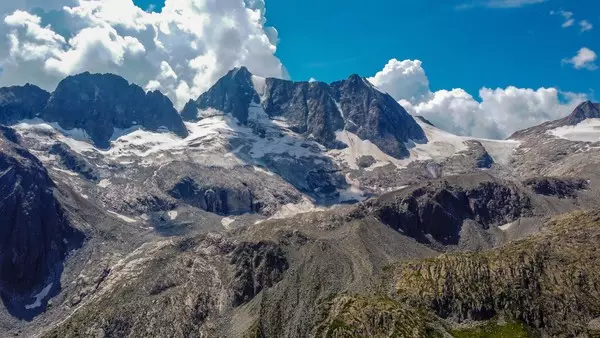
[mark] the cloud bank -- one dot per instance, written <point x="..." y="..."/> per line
<point x="181" y="51"/>
<point x="496" y="113"/>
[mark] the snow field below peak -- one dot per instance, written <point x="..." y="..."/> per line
<point x="586" y="131"/>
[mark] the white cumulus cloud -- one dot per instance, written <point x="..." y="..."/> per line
<point x="512" y="3"/>
<point x="403" y="79"/>
<point x="496" y="113"/>
<point x="567" y="16"/>
<point x="584" y="59"/>
<point x="181" y="51"/>
<point x="585" y="26"/>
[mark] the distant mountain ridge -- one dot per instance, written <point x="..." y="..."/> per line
<point x="585" y="110"/>
<point x="315" y="109"/>
<point x="95" y="103"/>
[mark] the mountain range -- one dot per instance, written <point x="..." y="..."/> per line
<point x="272" y="208"/>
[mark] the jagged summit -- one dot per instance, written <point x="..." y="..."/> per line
<point x="99" y="103"/>
<point x="232" y="94"/>
<point x="21" y="102"/>
<point x="586" y="110"/>
<point x="314" y="109"/>
<point x="95" y="103"/>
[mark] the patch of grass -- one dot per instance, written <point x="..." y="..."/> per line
<point x="493" y="329"/>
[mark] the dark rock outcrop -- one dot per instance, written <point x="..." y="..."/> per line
<point x="559" y="187"/>
<point x="21" y="102"/>
<point x="220" y="200"/>
<point x="257" y="266"/>
<point x="439" y="208"/>
<point x="227" y="191"/>
<point x="99" y="103"/>
<point x="479" y="154"/>
<point x="35" y="233"/>
<point x="73" y="161"/>
<point x="10" y="134"/>
<point x="365" y="161"/>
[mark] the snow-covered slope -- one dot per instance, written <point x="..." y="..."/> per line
<point x="585" y="131"/>
<point x="440" y="146"/>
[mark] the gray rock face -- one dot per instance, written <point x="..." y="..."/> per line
<point x="73" y="161"/>
<point x="35" y="234"/>
<point x="232" y="94"/>
<point x="21" y="102"/>
<point x="226" y="191"/>
<point x="543" y="154"/>
<point x="98" y="103"/>
<point x="586" y="110"/>
<point x="559" y="187"/>
<point x="376" y="116"/>
<point x="316" y="110"/>
<point x="309" y="109"/>
<point x="438" y="209"/>
<point x="223" y="200"/>
<point x="257" y="266"/>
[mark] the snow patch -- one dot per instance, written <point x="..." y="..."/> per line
<point x="257" y="114"/>
<point x="39" y="297"/>
<point x="443" y="144"/>
<point x="506" y="226"/>
<point x="227" y="221"/>
<point x="353" y="193"/>
<point x="500" y="150"/>
<point x="440" y="146"/>
<point x="339" y="108"/>
<point x="262" y="170"/>
<point x="122" y="217"/>
<point x="290" y="209"/>
<point x="358" y="148"/>
<point x="260" y="84"/>
<point x="70" y="173"/>
<point x="585" y="131"/>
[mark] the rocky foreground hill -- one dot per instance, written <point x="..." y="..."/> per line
<point x="270" y="208"/>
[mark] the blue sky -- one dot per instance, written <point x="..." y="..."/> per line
<point x="462" y="44"/>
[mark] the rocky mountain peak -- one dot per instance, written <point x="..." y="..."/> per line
<point x="316" y="110"/>
<point x="586" y="110"/>
<point x="99" y="103"/>
<point x="21" y="102"/>
<point x="240" y="72"/>
<point x="232" y="94"/>
<point x="376" y="116"/>
<point x="355" y="78"/>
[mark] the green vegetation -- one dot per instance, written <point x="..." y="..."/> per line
<point x="357" y="316"/>
<point x="525" y="280"/>
<point x="494" y="329"/>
